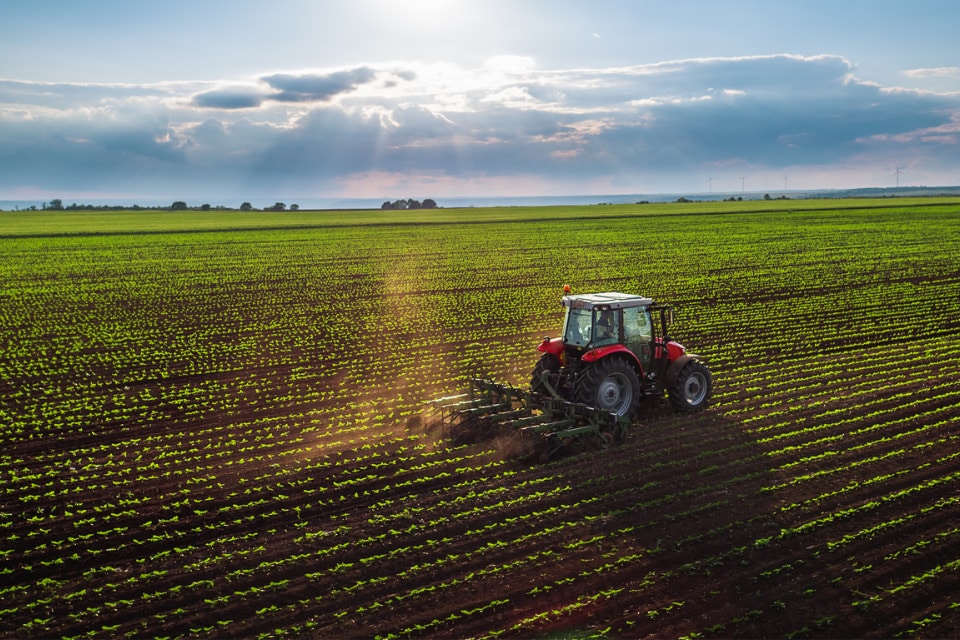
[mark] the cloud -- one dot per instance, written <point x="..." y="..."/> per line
<point x="317" y="87"/>
<point x="640" y="128"/>
<point x="229" y="99"/>
<point x="936" y="72"/>
<point x="73" y="96"/>
<point x="287" y="87"/>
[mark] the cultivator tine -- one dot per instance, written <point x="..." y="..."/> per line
<point x="528" y="424"/>
<point x="483" y="410"/>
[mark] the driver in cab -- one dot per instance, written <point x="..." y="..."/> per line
<point x="606" y="328"/>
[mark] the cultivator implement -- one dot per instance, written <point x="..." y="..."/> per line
<point x="528" y="424"/>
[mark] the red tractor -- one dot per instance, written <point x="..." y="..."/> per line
<point x="610" y="357"/>
<point x="589" y="382"/>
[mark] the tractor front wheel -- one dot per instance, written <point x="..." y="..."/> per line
<point x="692" y="388"/>
<point x="611" y="384"/>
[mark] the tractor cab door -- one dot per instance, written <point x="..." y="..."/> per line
<point x="606" y="327"/>
<point x="638" y="334"/>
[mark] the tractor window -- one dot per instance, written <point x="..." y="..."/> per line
<point x="638" y="327"/>
<point x="607" y="328"/>
<point x="577" y="332"/>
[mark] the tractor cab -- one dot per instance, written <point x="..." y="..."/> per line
<point x="604" y="319"/>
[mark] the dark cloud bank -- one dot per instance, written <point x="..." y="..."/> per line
<point x="632" y="127"/>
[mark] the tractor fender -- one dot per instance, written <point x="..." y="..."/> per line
<point x="676" y="366"/>
<point x="602" y="352"/>
<point x="554" y="346"/>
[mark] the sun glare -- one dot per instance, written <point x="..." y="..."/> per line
<point x="422" y="15"/>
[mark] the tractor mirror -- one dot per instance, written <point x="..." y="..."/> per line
<point x="667" y="316"/>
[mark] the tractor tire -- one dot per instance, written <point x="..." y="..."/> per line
<point x="611" y="384"/>
<point x="692" y="389"/>
<point x="548" y="363"/>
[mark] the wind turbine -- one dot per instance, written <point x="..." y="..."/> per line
<point x="897" y="173"/>
<point x="710" y="180"/>
<point x="743" y="180"/>
<point x="784" y="183"/>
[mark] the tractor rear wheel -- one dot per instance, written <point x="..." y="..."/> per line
<point x="611" y="384"/>
<point x="692" y="388"/>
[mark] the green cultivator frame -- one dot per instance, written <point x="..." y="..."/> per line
<point x="529" y="424"/>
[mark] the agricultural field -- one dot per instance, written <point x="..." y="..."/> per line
<point x="213" y="425"/>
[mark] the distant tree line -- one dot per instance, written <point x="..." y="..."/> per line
<point x="179" y="205"/>
<point x="246" y="206"/>
<point x="400" y="205"/>
<point x="56" y="204"/>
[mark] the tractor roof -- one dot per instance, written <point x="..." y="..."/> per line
<point x="611" y="300"/>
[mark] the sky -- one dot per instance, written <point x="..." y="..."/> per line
<point x="222" y="101"/>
